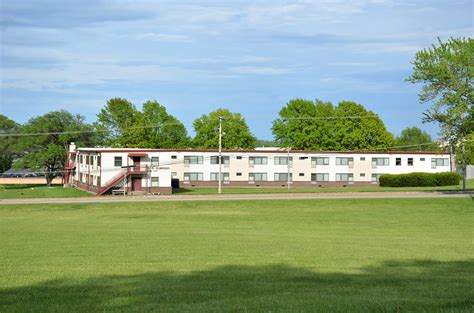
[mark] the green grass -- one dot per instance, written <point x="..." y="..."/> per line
<point x="375" y="188"/>
<point x="39" y="191"/>
<point x="357" y="255"/>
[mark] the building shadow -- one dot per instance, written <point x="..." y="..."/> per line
<point x="393" y="286"/>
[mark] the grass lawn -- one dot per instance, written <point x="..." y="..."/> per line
<point x="39" y="191"/>
<point x="375" y="188"/>
<point x="334" y="255"/>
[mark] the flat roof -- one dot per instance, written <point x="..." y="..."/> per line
<point x="135" y="150"/>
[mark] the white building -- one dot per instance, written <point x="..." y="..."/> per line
<point x="101" y="170"/>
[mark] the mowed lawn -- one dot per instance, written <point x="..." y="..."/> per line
<point x="356" y="255"/>
<point x="13" y="191"/>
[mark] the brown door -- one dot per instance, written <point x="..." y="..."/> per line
<point x="136" y="183"/>
<point x="136" y="163"/>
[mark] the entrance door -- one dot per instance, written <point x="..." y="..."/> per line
<point x="136" y="163"/>
<point x="136" y="183"/>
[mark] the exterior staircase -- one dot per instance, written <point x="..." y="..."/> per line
<point x="120" y="179"/>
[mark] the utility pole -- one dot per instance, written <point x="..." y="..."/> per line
<point x="220" y="155"/>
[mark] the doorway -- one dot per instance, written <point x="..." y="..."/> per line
<point x="136" y="184"/>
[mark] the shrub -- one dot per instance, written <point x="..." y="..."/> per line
<point x="417" y="179"/>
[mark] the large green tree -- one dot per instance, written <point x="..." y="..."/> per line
<point x="318" y="125"/>
<point x="7" y="143"/>
<point x="153" y="127"/>
<point x="303" y="124"/>
<point x="446" y="71"/>
<point x="415" y="139"/>
<point x="236" y="132"/>
<point x="46" y="139"/>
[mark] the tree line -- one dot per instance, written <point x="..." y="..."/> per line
<point x="445" y="70"/>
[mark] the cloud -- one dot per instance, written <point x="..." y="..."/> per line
<point x="165" y="37"/>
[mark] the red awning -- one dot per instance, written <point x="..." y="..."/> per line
<point x="137" y="154"/>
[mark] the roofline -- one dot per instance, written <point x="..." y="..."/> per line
<point x="122" y="150"/>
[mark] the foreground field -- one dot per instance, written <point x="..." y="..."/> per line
<point x="281" y="256"/>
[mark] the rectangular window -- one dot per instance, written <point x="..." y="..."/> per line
<point x="92" y="160"/>
<point x="439" y="162"/>
<point x="344" y="161"/>
<point x="344" y="177"/>
<point x="283" y="160"/>
<point x="283" y="177"/>
<point x="238" y="174"/>
<point x="192" y="159"/>
<point x="319" y="177"/>
<point x="174" y="157"/>
<point x="301" y="174"/>
<point x="398" y="161"/>
<point x="362" y="175"/>
<point x="224" y="176"/>
<point x="319" y="161"/>
<point x="257" y="176"/>
<point x="80" y="159"/>
<point x="155" y="161"/>
<point x="380" y="161"/>
<point x="303" y="158"/>
<point x="155" y="181"/>
<point x="215" y="160"/>
<point x="192" y="176"/>
<point x="99" y="160"/>
<point x="257" y="160"/>
<point x="173" y="174"/>
<point x="422" y="159"/>
<point x="362" y="158"/>
<point x="410" y="162"/>
<point x="87" y="159"/>
<point x="118" y="161"/>
<point x="375" y="177"/>
<point x="239" y="157"/>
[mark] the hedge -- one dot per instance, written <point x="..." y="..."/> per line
<point x="417" y="179"/>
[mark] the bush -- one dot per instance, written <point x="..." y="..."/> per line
<point x="420" y="179"/>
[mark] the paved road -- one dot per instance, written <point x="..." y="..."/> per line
<point x="227" y="197"/>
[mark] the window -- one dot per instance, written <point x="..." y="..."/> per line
<point x="283" y="177"/>
<point x="301" y="174"/>
<point x="344" y="161"/>
<point x="155" y="161"/>
<point x="344" y="177"/>
<point x="283" y="160"/>
<point x="155" y="181"/>
<point x="439" y="162"/>
<point x="99" y="160"/>
<point x="224" y="176"/>
<point x="192" y="160"/>
<point x="376" y="177"/>
<point x="303" y="158"/>
<point x="193" y="176"/>
<point x="362" y="158"/>
<point x="118" y="161"/>
<point x="257" y="160"/>
<point x="80" y="159"/>
<point x="239" y="157"/>
<point x="410" y="161"/>
<point x="87" y="159"/>
<point x="317" y="177"/>
<point x="319" y="161"/>
<point x="398" y="161"/>
<point x="174" y="157"/>
<point x="422" y="159"/>
<point x="173" y="174"/>
<point x="380" y="161"/>
<point x="238" y="174"/>
<point x="92" y="160"/>
<point x="362" y="175"/>
<point x="215" y="160"/>
<point x="257" y="176"/>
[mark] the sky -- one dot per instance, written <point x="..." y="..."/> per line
<point x="251" y="57"/>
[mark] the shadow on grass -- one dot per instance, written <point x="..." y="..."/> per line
<point x="394" y="286"/>
<point x="27" y="186"/>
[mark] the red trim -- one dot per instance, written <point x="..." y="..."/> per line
<point x="138" y="154"/>
<point x="138" y="151"/>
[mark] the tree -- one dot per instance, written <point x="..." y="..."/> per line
<point x="265" y="143"/>
<point x="318" y="125"/>
<point x="7" y="144"/>
<point x="153" y="127"/>
<point x="447" y="74"/>
<point x="236" y="132"/>
<point x="303" y="125"/>
<point x="45" y="143"/>
<point x="415" y="139"/>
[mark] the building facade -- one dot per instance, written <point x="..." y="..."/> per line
<point x="102" y="170"/>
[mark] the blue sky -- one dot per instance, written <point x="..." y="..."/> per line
<point x="196" y="56"/>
